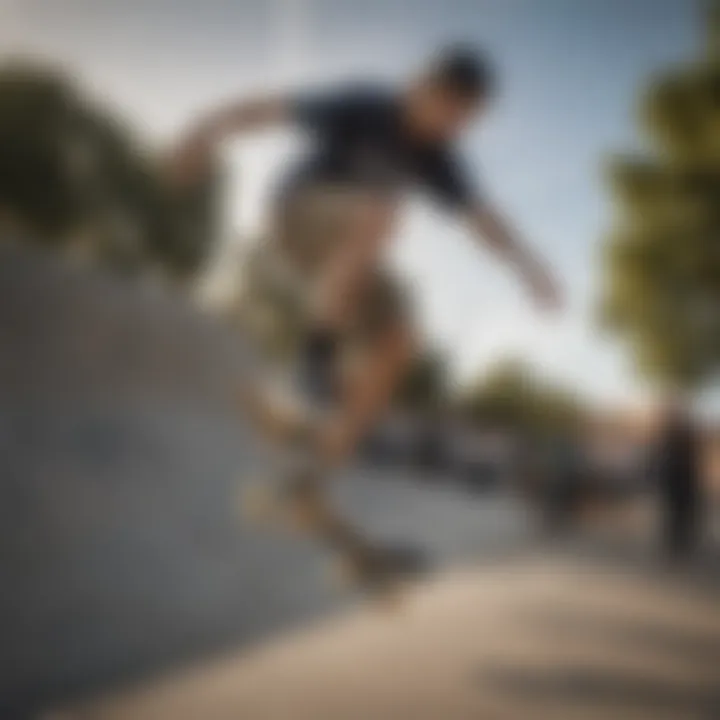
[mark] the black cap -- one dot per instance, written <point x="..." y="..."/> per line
<point x="464" y="70"/>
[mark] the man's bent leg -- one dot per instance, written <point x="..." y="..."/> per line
<point x="353" y="262"/>
<point x="367" y="393"/>
<point x="348" y="269"/>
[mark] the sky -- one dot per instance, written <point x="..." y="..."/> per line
<point x="570" y="73"/>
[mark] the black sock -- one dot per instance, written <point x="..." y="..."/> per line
<point x="319" y="360"/>
<point x="321" y="345"/>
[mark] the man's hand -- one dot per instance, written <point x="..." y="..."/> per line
<point x="193" y="156"/>
<point x="544" y="289"/>
<point x="494" y="231"/>
<point x="189" y="161"/>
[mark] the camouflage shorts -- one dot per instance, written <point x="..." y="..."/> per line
<point x="283" y="269"/>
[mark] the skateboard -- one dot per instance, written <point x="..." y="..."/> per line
<point x="294" y="495"/>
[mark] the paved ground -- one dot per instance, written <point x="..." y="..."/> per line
<point x="122" y="556"/>
<point x="534" y="638"/>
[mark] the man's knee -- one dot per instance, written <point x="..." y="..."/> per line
<point x="385" y="318"/>
<point x="372" y="226"/>
<point x="401" y="340"/>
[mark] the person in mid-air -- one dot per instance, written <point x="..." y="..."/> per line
<point x="335" y="213"/>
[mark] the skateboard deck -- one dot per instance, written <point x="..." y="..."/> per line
<point x="294" y="495"/>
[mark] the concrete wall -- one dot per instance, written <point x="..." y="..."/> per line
<point x="121" y="458"/>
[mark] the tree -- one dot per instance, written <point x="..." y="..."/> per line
<point x="661" y="290"/>
<point x="34" y="122"/>
<point x="71" y="174"/>
<point x="424" y="387"/>
<point x="511" y="395"/>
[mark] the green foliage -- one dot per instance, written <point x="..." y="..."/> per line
<point x="713" y="28"/>
<point x="661" y="275"/>
<point x="34" y="122"/>
<point x="511" y="395"/>
<point x="72" y="173"/>
<point x="424" y="386"/>
<point x="682" y="111"/>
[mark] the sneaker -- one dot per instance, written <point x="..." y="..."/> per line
<point x="379" y="568"/>
<point x="294" y="498"/>
<point x="316" y="377"/>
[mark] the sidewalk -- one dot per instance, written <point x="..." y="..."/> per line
<point x="539" y="638"/>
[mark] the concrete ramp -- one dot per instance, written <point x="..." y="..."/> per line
<point x="122" y="552"/>
<point x="120" y="461"/>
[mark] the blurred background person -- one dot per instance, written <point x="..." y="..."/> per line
<point x="677" y="468"/>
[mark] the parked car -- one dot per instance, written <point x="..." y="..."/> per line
<point x="570" y="478"/>
<point x="480" y="461"/>
<point x="391" y="443"/>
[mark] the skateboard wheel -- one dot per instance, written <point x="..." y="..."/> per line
<point x="301" y="519"/>
<point x="344" y="574"/>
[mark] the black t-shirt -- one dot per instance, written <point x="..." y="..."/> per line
<point x="358" y="139"/>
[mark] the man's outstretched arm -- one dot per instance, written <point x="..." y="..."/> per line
<point x="495" y="233"/>
<point x="192" y="155"/>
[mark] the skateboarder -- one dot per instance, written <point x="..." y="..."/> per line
<point x="334" y="215"/>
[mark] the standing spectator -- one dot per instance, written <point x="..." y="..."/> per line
<point x="679" y="482"/>
<point x="563" y="480"/>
